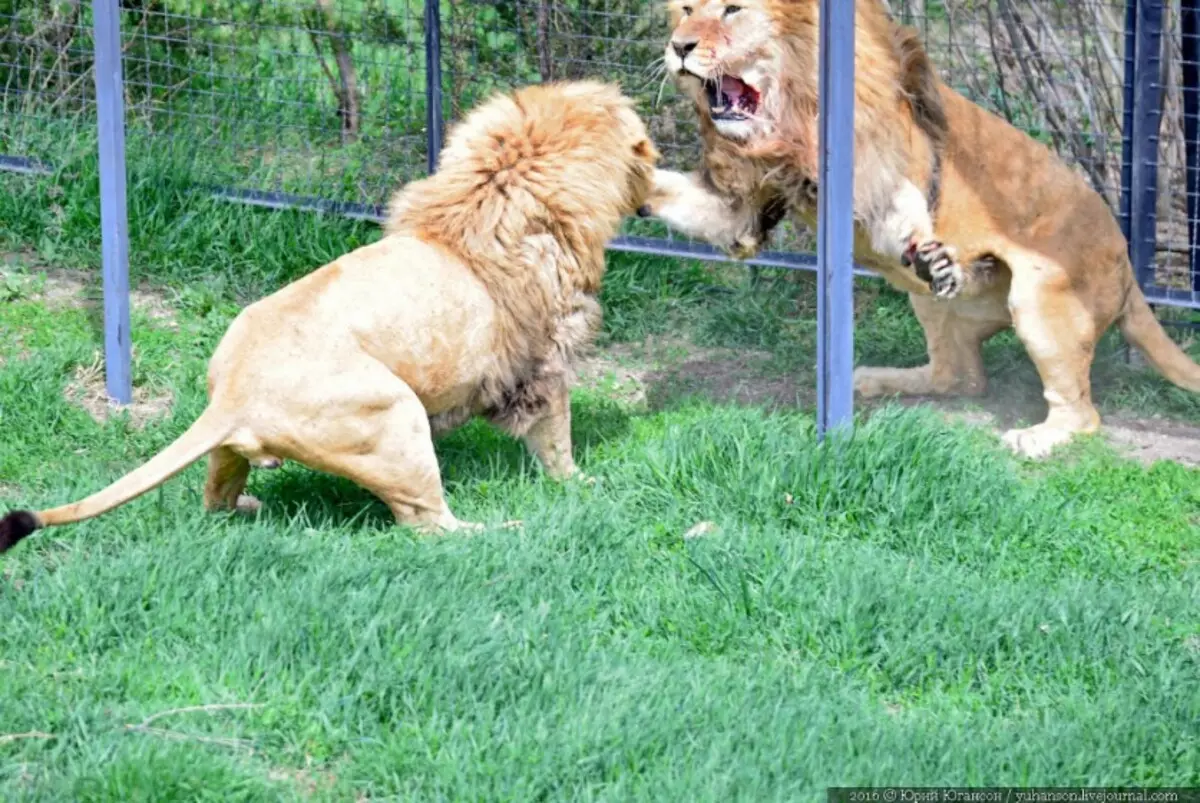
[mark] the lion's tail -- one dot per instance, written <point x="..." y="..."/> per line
<point x="206" y="434"/>
<point x="1141" y="328"/>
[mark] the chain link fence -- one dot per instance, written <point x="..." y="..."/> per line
<point x="333" y="104"/>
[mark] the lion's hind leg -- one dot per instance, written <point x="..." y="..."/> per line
<point x="955" y="364"/>
<point x="1059" y="333"/>
<point x="228" y="472"/>
<point x="374" y="431"/>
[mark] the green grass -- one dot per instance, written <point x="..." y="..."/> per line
<point x="911" y="605"/>
<point x="922" y="610"/>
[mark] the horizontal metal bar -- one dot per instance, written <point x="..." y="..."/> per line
<point x="653" y="246"/>
<point x="788" y="260"/>
<point x="1166" y="297"/>
<point x="282" y="200"/>
<point x="20" y="164"/>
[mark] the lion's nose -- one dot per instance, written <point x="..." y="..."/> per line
<point x="683" y="48"/>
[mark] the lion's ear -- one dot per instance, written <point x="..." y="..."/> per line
<point x="646" y="151"/>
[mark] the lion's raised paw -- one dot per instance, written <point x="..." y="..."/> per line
<point x="937" y="263"/>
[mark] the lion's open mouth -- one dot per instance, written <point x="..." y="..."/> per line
<point x="731" y="99"/>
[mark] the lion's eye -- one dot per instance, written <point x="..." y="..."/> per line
<point x="731" y="10"/>
<point x="687" y="11"/>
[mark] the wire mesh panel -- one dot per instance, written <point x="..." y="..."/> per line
<point x="47" y="96"/>
<point x="327" y="98"/>
<point x="1064" y="71"/>
<point x="323" y="98"/>
<point x="1176" y="278"/>
<point x="1054" y="68"/>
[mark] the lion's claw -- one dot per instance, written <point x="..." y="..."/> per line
<point x="936" y="263"/>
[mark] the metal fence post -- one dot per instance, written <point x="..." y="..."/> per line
<point x="1147" y="117"/>
<point x="434" y="119"/>
<point x="1131" y="10"/>
<point x="110" y="119"/>
<point x="1189" y="22"/>
<point x="835" y="219"/>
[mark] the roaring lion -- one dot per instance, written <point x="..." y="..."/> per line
<point x="474" y="303"/>
<point x="1042" y="250"/>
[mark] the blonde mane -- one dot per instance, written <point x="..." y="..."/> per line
<point x="897" y="93"/>
<point x="539" y="161"/>
<point x="530" y="187"/>
<point x="893" y="76"/>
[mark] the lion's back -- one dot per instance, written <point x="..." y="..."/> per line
<point x="999" y="179"/>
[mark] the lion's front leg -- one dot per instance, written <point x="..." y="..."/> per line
<point x="688" y="206"/>
<point x="901" y="227"/>
<point x="549" y="437"/>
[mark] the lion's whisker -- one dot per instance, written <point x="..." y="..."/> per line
<point x="662" y="85"/>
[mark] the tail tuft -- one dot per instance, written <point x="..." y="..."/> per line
<point x="15" y="526"/>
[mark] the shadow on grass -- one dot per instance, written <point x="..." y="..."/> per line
<point x="473" y="454"/>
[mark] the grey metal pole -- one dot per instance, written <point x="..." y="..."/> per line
<point x="835" y="219"/>
<point x="434" y="120"/>
<point x="1147" y="119"/>
<point x="114" y="223"/>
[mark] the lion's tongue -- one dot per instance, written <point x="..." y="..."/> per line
<point x="732" y="89"/>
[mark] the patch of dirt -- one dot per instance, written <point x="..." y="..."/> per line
<point x="661" y="370"/>
<point x="87" y="390"/>
<point x="1145" y="440"/>
<point x="306" y="781"/>
<point x="75" y="289"/>
<point x="729" y="377"/>
<point x="17" y="351"/>
<point x="620" y="371"/>
<point x="1151" y="440"/>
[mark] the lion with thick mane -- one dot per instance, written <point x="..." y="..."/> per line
<point x="983" y="226"/>
<point x="474" y="303"/>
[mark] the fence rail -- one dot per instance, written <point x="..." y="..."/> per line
<point x="329" y="105"/>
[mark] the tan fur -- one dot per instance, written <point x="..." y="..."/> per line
<point x="1042" y="249"/>
<point x="474" y="303"/>
<point x="773" y="159"/>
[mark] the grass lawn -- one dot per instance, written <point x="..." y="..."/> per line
<point x="911" y="605"/>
